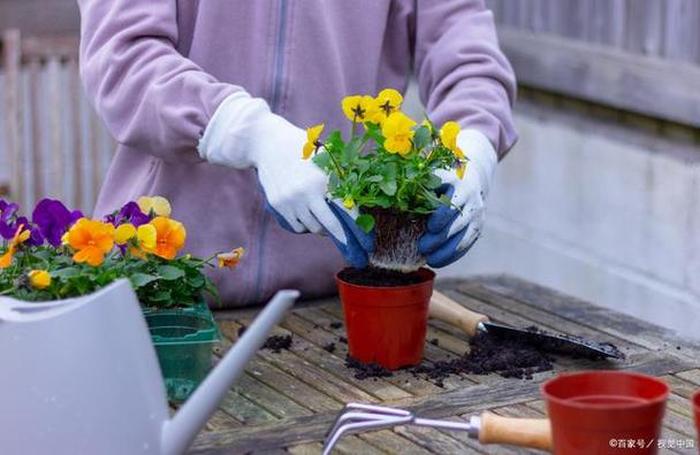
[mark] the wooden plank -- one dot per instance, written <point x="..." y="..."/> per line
<point x="644" y="32"/>
<point x="243" y="410"/>
<point x="456" y="402"/>
<point x="315" y="367"/>
<point x="309" y="448"/>
<point x="607" y="22"/>
<point x="392" y="442"/>
<point x="14" y="122"/>
<point x="268" y="398"/>
<point x="36" y="102"/>
<point x="692" y="376"/>
<point x="433" y="440"/>
<point x="606" y="321"/>
<point x="221" y="421"/>
<point x="77" y="157"/>
<point x="55" y="128"/>
<point x="681" y="37"/>
<point x="605" y="75"/>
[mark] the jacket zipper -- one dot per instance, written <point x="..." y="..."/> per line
<point x="275" y="98"/>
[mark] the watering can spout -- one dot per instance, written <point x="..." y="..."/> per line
<point x="179" y="432"/>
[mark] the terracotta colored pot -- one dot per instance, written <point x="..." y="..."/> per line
<point x="387" y="325"/>
<point x="696" y="411"/>
<point x="600" y="411"/>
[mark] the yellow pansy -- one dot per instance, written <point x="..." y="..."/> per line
<point x="349" y="202"/>
<point x="39" y="279"/>
<point x="398" y="132"/>
<point x="358" y="107"/>
<point x="312" y="143"/>
<point x="387" y="102"/>
<point x="21" y="236"/>
<point x="124" y="233"/>
<point x="156" y="204"/>
<point x="230" y="260"/>
<point x="170" y="238"/>
<point x="448" y="136"/>
<point x="461" y="169"/>
<point x="147" y="236"/>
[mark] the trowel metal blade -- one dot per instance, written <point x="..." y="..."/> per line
<point x="554" y="343"/>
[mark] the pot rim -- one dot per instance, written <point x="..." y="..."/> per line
<point x="429" y="277"/>
<point x="661" y="398"/>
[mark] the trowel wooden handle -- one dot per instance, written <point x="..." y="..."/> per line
<point x="533" y="433"/>
<point x="447" y="310"/>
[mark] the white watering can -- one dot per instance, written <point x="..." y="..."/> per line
<point x="81" y="376"/>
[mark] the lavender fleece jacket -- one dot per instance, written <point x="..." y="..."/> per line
<point x="156" y="71"/>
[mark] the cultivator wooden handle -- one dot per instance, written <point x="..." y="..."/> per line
<point x="495" y="429"/>
<point x="447" y="310"/>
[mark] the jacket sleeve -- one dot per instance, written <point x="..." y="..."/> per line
<point x="461" y="71"/>
<point x="150" y="97"/>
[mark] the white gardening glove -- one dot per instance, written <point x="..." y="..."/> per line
<point x="244" y="133"/>
<point x="451" y="231"/>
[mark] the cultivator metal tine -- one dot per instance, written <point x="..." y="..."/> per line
<point x="357" y="416"/>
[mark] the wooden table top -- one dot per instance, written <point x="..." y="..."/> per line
<point x="286" y="401"/>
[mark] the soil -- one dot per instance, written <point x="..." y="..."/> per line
<point x="396" y="239"/>
<point x="562" y="344"/>
<point x="508" y="358"/>
<point x="330" y="347"/>
<point x="275" y="343"/>
<point x="379" y="277"/>
<point x="367" y="370"/>
<point x="335" y="325"/>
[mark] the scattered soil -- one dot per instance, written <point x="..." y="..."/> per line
<point x="562" y="344"/>
<point x="275" y="343"/>
<point x="434" y="342"/>
<point x="379" y="277"/>
<point x="335" y="325"/>
<point x="367" y="370"/>
<point x="508" y="358"/>
<point x="330" y="347"/>
<point x="342" y="340"/>
<point x="278" y="342"/>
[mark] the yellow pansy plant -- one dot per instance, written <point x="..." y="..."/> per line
<point x="392" y="164"/>
<point x="39" y="279"/>
<point x="156" y="205"/>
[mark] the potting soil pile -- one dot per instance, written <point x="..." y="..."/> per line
<point x="510" y="359"/>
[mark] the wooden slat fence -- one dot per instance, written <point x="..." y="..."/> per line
<point x="55" y="146"/>
<point x="642" y="56"/>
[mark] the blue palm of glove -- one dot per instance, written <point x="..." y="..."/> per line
<point x="357" y="245"/>
<point x="442" y="244"/>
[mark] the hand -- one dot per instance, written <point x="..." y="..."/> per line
<point x="244" y="133"/>
<point x="452" y="230"/>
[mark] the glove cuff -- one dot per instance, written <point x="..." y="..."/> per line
<point x="231" y="136"/>
<point x="482" y="155"/>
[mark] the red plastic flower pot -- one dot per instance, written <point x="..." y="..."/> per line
<point x="604" y="412"/>
<point x="387" y="325"/>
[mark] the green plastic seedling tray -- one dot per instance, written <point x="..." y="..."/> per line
<point x="183" y="338"/>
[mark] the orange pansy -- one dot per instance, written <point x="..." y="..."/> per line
<point x="92" y="240"/>
<point x="170" y="237"/>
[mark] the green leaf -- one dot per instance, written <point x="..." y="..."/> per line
<point x="139" y="280"/>
<point x="433" y="182"/>
<point x="374" y="178"/>
<point x="421" y="138"/>
<point x="388" y="187"/>
<point x="66" y="273"/>
<point x="170" y="273"/>
<point x="365" y="222"/>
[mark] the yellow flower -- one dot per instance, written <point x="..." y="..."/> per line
<point x="147" y="236"/>
<point x="92" y="240"/>
<point x="349" y="202"/>
<point x="461" y="169"/>
<point x="312" y="135"/>
<point x="357" y="107"/>
<point x="156" y="204"/>
<point x="21" y="236"/>
<point x="448" y="136"/>
<point x="398" y="132"/>
<point x="39" y="279"/>
<point x="387" y="102"/>
<point x="124" y="233"/>
<point x="170" y="237"/>
<point x="231" y="259"/>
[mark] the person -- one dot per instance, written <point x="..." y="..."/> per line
<point x="208" y="101"/>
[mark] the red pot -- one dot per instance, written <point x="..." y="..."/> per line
<point x="602" y="411"/>
<point x="387" y="325"/>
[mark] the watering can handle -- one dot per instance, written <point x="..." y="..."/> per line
<point x="447" y="310"/>
<point x="533" y="433"/>
<point x="14" y="311"/>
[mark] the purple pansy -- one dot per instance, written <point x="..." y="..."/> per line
<point x="130" y="213"/>
<point x="53" y="219"/>
<point x="7" y="212"/>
